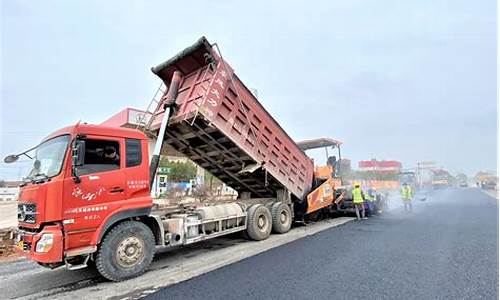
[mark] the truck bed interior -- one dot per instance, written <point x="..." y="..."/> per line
<point x="212" y="150"/>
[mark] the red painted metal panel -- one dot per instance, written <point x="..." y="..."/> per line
<point x="380" y="164"/>
<point x="128" y="117"/>
<point x="212" y="92"/>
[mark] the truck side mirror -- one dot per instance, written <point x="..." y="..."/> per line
<point x="78" y="158"/>
<point x="80" y="153"/>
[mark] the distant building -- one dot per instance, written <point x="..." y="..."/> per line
<point x="382" y="166"/>
<point x="160" y="183"/>
<point x="9" y="191"/>
<point x="225" y="190"/>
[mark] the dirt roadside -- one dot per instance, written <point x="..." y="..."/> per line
<point x="8" y="222"/>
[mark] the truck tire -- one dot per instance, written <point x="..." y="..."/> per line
<point x="259" y="222"/>
<point x="282" y="217"/>
<point x="126" y="251"/>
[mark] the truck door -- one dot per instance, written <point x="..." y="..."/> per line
<point x="137" y="171"/>
<point x="101" y="190"/>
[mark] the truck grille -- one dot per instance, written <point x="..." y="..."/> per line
<point x="26" y="212"/>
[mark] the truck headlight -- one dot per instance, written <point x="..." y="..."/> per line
<point x="45" y="243"/>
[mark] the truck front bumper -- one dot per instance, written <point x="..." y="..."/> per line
<point x="43" y="247"/>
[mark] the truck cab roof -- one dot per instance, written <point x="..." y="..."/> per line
<point x="98" y="130"/>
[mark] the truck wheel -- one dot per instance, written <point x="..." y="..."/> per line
<point x="126" y="251"/>
<point x="259" y="222"/>
<point x="282" y="217"/>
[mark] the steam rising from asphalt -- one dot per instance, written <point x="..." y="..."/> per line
<point x="395" y="204"/>
<point x="421" y="199"/>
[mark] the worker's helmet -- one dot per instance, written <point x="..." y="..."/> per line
<point x="356" y="184"/>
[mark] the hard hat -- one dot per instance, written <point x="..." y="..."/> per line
<point x="356" y="184"/>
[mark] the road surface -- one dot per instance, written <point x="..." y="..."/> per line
<point x="446" y="248"/>
<point x="26" y="280"/>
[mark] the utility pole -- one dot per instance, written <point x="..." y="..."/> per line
<point x="418" y="176"/>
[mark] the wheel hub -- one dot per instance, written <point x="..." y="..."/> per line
<point x="283" y="217"/>
<point x="130" y="252"/>
<point x="262" y="222"/>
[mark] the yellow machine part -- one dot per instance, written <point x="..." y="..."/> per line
<point x="323" y="172"/>
<point x="321" y="197"/>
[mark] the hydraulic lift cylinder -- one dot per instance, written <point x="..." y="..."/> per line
<point x="169" y="103"/>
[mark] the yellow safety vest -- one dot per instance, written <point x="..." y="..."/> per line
<point x="406" y="192"/>
<point x="369" y="197"/>
<point x="356" y="196"/>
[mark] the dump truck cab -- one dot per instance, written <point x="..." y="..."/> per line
<point x="74" y="193"/>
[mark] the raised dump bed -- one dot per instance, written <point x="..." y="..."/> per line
<point x="219" y="124"/>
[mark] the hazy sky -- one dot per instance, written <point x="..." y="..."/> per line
<point x="404" y="80"/>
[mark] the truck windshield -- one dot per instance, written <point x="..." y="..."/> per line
<point x="49" y="157"/>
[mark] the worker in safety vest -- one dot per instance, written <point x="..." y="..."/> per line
<point x="370" y="201"/>
<point x="357" y="200"/>
<point x="406" y="195"/>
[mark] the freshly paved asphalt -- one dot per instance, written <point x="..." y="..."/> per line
<point x="447" y="248"/>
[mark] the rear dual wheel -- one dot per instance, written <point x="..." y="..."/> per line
<point x="282" y="217"/>
<point x="262" y="220"/>
<point x="259" y="222"/>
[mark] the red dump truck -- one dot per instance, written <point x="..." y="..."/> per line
<point x="87" y="198"/>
